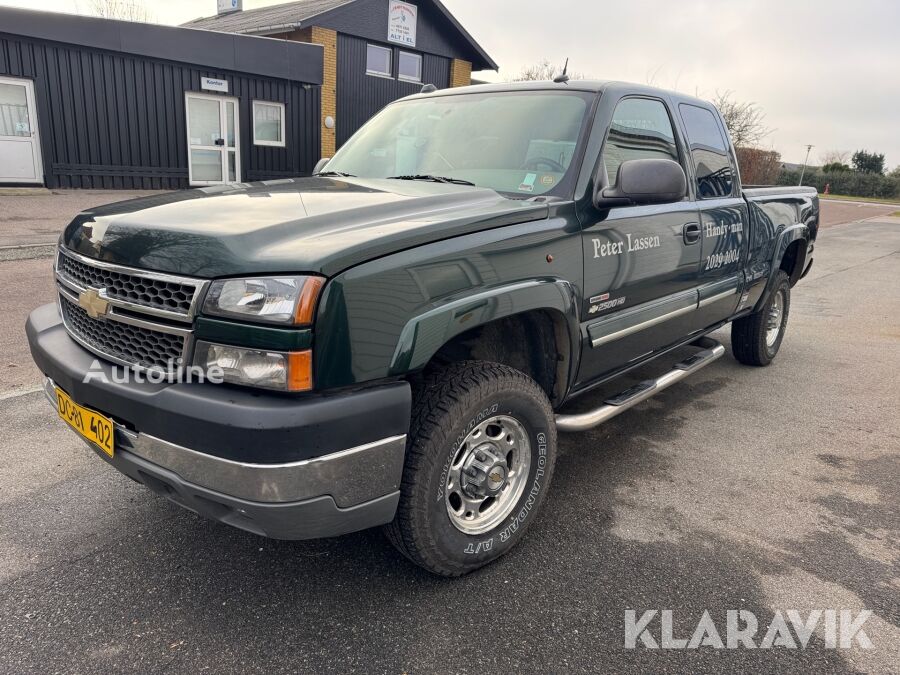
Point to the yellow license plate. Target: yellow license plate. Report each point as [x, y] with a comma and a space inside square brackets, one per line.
[91, 425]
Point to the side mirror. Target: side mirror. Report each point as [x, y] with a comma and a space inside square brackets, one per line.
[644, 181]
[320, 165]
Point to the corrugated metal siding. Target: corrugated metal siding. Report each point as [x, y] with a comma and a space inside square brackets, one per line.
[359, 96]
[108, 120]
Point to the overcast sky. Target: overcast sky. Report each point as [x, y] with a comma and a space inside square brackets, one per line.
[826, 72]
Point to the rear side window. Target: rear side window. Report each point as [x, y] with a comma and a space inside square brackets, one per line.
[709, 151]
[640, 129]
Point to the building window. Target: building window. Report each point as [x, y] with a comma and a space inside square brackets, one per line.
[409, 67]
[378, 61]
[268, 123]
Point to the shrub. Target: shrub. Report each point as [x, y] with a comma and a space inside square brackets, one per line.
[846, 183]
[758, 167]
[835, 167]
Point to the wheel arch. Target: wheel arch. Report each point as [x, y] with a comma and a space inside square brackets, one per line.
[789, 256]
[531, 325]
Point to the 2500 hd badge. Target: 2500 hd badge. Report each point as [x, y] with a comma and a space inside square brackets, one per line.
[399, 350]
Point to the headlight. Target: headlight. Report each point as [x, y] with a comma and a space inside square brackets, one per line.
[285, 300]
[285, 371]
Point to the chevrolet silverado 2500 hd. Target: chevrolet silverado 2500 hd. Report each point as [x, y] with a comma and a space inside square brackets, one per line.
[398, 333]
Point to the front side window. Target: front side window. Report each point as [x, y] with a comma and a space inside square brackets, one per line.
[709, 150]
[268, 123]
[520, 143]
[409, 67]
[640, 129]
[378, 60]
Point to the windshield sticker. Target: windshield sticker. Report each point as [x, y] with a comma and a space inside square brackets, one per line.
[547, 180]
[528, 183]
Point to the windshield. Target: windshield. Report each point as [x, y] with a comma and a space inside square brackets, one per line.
[520, 143]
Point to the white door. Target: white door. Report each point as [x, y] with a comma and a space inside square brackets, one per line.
[214, 154]
[20, 148]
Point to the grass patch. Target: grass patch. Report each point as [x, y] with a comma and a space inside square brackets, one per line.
[850, 198]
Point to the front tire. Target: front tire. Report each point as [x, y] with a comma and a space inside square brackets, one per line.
[756, 339]
[480, 456]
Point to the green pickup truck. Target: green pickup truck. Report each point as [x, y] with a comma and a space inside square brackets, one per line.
[391, 340]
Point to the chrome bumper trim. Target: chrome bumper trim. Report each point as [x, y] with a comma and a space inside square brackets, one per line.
[349, 476]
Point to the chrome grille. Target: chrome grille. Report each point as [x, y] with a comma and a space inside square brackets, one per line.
[152, 290]
[131, 344]
[128, 316]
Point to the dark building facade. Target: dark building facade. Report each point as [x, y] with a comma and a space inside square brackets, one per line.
[376, 51]
[105, 104]
[94, 103]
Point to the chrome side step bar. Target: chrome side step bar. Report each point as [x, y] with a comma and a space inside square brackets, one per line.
[711, 350]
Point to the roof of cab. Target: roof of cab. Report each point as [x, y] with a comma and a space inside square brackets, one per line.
[592, 86]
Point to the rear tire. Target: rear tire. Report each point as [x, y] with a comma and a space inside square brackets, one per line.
[756, 339]
[479, 460]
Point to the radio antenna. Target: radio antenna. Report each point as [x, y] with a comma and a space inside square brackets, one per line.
[562, 78]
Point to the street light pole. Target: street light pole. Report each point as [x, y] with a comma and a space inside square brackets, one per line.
[803, 171]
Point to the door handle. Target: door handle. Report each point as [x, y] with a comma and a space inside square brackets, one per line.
[220, 141]
[691, 233]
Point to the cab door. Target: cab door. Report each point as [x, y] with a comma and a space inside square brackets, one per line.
[723, 215]
[641, 263]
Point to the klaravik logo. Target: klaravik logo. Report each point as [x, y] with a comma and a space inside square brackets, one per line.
[839, 629]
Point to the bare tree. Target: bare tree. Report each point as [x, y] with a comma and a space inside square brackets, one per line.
[834, 157]
[126, 10]
[745, 120]
[544, 70]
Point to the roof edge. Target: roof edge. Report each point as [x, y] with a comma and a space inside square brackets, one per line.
[346, 6]
[282, 59]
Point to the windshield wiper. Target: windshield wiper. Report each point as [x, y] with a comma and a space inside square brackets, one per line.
[339, 174]
[433, 179]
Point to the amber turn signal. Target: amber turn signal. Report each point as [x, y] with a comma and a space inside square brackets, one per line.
[299, 373]
[306, 304]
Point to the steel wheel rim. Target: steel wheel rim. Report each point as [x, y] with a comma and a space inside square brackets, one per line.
[498, 445]
[776, 312]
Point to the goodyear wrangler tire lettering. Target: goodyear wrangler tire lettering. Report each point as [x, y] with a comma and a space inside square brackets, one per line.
[456, 404]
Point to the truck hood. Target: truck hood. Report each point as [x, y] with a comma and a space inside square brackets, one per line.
[316, 225]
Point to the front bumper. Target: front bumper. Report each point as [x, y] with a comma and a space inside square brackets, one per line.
[305, 493]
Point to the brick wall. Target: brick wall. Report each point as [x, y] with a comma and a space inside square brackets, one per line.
[328, 39]
[460, 73]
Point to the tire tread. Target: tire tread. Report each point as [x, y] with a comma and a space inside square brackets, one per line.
[443, 395]
[748, 334]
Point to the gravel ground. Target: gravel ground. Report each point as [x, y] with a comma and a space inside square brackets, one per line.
[757, 489]
[38, 218]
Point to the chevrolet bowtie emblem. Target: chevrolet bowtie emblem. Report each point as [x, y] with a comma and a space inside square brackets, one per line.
[91, 302]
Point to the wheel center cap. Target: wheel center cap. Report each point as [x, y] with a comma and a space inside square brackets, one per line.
[496, 478]
[484, 472]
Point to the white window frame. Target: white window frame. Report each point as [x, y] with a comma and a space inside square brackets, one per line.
[406, 78]
[378, 73]
[223, 149]
[34, 138]
[274, 104]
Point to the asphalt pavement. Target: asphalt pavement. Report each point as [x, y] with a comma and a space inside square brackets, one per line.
[762, 490]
